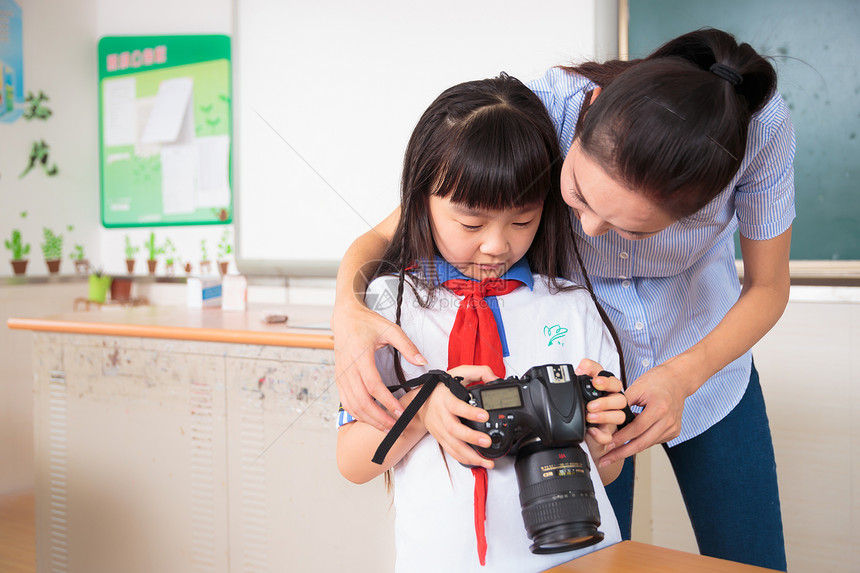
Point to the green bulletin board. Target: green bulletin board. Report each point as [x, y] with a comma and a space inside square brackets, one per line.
[165, 130]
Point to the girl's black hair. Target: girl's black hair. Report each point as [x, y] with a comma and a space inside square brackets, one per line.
[487, 144]
[668, 127]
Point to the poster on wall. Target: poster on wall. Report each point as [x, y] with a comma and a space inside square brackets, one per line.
[165, 130]
[11, 62]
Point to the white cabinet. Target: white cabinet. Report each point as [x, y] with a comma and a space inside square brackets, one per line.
[174, 456]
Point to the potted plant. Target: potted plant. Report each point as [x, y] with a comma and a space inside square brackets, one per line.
[20, 250]
[188, 268]
[205, 264]
[169, 251]
[52, 249]
[130, 252]
[154, 251]
[99, 285]
[82, 265]
[224, 250]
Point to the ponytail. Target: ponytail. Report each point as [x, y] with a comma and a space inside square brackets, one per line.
[673, 126]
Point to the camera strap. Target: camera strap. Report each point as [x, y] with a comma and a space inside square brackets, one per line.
[428, 383]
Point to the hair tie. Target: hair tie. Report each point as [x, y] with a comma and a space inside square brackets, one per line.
[725, 72]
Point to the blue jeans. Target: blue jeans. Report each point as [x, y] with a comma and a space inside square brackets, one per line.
[728, 481]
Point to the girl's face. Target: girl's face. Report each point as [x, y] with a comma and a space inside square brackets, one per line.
[482, 243]
[602, 205]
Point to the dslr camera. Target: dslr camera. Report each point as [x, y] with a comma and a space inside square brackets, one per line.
[540, 418]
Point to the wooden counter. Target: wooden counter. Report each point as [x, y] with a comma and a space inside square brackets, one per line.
[306, 327]
[633, 557]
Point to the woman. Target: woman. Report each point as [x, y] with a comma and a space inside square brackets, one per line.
[666, 157]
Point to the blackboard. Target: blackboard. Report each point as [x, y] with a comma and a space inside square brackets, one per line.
[816, 49]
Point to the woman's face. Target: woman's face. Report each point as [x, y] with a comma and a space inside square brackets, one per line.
[602, 205]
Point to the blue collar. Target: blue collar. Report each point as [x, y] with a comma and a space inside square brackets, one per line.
[519, 271]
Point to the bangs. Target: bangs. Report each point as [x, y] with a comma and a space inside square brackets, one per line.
[498, 161]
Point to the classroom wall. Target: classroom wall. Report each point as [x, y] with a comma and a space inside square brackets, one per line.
[60, 43]
[60, 58]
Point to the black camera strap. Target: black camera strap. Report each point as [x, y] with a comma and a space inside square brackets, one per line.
[428, 383]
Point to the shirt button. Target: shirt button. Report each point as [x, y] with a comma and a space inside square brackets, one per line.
[626, 284]
[639, 326]
[646, 362]
[623, 255]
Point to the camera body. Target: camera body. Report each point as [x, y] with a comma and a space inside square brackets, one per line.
[547, 402]
[540, 417]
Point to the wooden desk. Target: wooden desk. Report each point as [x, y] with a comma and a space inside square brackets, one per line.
[635, 557]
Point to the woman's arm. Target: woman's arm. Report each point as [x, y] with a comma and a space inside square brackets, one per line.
[662, 390]
[359, 331]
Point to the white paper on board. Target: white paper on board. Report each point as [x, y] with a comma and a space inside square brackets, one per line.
[213, 180]
[120, 112]
[178, 178]
[172, 112]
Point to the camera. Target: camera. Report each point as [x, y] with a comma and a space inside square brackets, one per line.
[540, 418]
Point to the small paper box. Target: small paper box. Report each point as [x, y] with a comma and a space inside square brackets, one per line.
[203, 292]
[234, 292]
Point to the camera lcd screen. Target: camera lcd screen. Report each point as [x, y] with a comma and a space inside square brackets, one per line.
[497, 399]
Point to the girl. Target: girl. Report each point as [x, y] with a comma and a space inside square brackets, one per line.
[666, 157]
[480, 255]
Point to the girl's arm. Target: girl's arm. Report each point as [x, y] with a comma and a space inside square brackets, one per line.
[359, 332]
[663, 389]
[357, 441]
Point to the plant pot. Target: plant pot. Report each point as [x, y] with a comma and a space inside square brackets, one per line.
[168, 269]
[129, 264]
[54, 265]
[99, 286]
[82, 267]
[19, 267]
[120, 289]
[223, 266]
[187, 268]
[152, 263]
[205, 267]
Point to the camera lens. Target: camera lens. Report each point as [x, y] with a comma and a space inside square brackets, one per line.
[557, 498]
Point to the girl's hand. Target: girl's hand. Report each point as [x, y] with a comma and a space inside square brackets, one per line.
[661, 392]
[605, 413]
[441, 413]
[358, 333]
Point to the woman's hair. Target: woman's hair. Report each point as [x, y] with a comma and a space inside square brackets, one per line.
[486, 144]
[669, 127]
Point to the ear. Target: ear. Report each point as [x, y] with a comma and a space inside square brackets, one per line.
[594, 93]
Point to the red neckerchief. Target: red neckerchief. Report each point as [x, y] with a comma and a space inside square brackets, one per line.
[475, 340]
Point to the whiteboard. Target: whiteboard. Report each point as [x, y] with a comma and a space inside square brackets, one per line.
[326, 94]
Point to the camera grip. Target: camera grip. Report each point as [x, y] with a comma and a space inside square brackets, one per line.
[592, 393]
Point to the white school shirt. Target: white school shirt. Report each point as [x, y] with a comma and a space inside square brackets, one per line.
[666, 292]
[434, 524]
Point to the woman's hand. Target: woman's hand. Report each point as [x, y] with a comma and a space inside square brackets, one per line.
[441, 413]
[358, 333]
[661, 392]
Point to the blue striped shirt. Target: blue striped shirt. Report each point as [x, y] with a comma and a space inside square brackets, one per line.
[666, 292]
